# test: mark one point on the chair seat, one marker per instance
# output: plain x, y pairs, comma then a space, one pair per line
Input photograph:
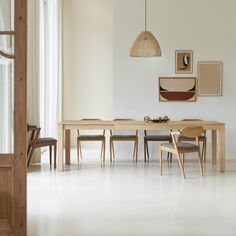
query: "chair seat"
46, 140
125, 137
90, 137
182, 146
157, 138
184, 138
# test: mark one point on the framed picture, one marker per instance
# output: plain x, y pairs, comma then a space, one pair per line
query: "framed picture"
183, 61
177, 89
209, 78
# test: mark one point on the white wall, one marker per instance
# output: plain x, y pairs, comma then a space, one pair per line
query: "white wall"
87, 59
204, 26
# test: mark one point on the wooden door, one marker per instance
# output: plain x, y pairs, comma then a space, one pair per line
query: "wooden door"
13, 43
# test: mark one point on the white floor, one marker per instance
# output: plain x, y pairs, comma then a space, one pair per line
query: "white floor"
131, 200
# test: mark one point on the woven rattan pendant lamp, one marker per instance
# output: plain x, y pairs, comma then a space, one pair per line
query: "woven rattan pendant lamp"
145, 44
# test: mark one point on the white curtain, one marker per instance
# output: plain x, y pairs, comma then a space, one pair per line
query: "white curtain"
33, 67
6, 82
51, 66
44, 70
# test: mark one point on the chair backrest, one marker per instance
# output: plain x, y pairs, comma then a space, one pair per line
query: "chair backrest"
91, 119
34, 135
191, 119
192, 132
31, 127
194, 119
123, 119
156, 132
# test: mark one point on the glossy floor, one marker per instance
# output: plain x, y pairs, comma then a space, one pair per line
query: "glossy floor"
131, 200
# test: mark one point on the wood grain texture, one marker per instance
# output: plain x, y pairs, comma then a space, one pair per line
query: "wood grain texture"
20, 122
214, 144
13, 221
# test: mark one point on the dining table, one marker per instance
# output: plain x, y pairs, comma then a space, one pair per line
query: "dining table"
216, 128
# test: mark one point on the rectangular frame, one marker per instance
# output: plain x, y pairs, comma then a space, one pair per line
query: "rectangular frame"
177, 89
209, 78
183, 61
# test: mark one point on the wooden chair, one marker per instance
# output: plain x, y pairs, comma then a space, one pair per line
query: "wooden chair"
202, 139
36, 142
179, 148
91, 137
154, 138
123, 138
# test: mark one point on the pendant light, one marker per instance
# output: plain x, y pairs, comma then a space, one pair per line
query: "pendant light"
145, 44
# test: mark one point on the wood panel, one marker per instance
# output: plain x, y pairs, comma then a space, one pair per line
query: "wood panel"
13, 166
7, 221
20, 123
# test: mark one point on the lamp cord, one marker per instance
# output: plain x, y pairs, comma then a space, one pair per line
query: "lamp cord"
145, 15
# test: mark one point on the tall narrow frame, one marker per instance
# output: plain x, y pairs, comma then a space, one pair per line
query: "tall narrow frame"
13, 220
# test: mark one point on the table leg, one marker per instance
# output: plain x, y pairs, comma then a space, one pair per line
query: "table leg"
60, 162
67, 145
213, 143
222, 149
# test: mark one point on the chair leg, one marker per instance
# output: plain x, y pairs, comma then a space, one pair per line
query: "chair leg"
104, 150
30, 156
78, 150
50, 155
55, 156
136, 150
110, 150
28, 149
113, 151
101, 150
160, 158
204, 151
180, 165
200, 161
182, 159
145, 150
171, 154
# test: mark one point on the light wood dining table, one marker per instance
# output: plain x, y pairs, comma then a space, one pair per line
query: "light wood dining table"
64, 135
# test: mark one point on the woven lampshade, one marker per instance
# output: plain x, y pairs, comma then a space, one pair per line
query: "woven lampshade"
145, 45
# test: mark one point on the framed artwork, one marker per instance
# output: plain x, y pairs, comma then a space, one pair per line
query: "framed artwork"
177, 89
183, 61
209, 78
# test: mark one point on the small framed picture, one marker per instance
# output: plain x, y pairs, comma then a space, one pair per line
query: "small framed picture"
183, 61
209, 78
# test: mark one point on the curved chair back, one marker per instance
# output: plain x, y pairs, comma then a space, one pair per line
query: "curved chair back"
90, 119
192, 132
123, 119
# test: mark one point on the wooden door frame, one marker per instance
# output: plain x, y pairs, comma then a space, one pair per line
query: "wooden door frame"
13, 166
20, 117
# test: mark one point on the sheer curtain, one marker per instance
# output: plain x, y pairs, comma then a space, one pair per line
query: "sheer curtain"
6, 84
44, 24
50, 38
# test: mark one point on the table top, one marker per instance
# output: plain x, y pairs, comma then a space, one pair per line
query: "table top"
136, 124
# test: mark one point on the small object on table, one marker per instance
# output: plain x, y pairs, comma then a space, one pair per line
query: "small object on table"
156, 119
